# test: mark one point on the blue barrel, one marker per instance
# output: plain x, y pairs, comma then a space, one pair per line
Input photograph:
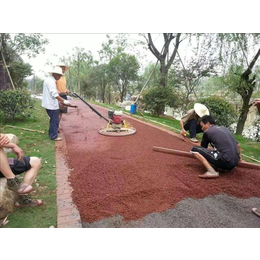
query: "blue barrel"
133, 109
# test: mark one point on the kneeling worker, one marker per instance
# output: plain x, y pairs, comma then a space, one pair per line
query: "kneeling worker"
226, 153
190, 121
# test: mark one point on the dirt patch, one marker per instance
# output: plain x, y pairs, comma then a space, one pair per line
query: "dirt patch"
125, 176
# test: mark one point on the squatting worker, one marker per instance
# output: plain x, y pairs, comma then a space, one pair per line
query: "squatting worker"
50, 102
226, 150
62, 89
190, 121
256, 103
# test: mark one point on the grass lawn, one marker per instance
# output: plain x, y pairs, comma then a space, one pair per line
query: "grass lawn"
36, 144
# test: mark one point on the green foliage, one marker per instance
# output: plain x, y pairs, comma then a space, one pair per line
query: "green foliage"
158, 97
220, 109
122, 69
18, 71
15, 103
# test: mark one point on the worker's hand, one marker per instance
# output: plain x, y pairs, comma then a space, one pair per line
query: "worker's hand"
67, 91
66, 102
256, 101
4, 140
19, 152
183, 132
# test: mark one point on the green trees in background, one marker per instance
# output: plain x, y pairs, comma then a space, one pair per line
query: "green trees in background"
224, 112
122, 69
15, 103
13, 46
157, 98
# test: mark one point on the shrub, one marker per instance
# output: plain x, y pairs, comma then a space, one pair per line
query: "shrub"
221, 109
157, 98
15, 103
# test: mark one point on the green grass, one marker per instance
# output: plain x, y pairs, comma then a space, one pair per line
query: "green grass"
249, 148
36, 144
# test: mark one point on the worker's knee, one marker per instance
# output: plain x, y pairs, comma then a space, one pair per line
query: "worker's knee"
35, 162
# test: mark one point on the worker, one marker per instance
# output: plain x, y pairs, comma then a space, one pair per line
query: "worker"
50, 101
190, 121
226, 151
62, 90
256, 103
9, 167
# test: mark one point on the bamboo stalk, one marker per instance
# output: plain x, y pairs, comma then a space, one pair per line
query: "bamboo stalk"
26, 129
7, 70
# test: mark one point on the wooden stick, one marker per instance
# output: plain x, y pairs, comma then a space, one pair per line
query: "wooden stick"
26, 129
190, 155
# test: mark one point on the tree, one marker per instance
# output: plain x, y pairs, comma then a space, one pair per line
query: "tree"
224, 113
19, 71
98, 77
200, 65
241, 81
13, 46
122, 69
237, 47
157, 98
162, 56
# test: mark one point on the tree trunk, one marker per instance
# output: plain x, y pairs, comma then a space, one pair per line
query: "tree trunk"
163, 75
243, 114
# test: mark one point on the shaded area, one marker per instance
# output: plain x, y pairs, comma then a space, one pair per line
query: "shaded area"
123, 175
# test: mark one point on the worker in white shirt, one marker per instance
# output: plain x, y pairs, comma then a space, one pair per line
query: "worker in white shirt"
50, 101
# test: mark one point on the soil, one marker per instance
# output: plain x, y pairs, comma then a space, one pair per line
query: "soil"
123, 175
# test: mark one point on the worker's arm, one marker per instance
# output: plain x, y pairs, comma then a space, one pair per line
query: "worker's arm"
239, 150
182, 127
16, 149
205, 141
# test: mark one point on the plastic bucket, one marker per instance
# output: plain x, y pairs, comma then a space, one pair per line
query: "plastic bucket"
133, 109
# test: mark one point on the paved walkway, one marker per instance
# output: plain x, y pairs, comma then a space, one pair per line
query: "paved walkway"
68, 214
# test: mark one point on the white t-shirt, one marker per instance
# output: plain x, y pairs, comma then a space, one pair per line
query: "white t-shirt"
50, 93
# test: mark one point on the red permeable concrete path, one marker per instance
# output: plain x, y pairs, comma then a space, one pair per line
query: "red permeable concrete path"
123, 175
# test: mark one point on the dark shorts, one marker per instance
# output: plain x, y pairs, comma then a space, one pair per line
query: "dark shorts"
18, 167
213, 157
65, 110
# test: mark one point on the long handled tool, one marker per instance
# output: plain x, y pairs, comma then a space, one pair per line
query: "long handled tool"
116, 126
190, 155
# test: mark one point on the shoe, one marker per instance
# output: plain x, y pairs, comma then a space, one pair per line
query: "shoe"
194, 140
58, 139
209, 175
256, 211
26, 201
19, 187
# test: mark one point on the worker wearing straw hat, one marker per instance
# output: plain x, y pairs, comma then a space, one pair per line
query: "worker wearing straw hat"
62, 89
190, 121
50, 102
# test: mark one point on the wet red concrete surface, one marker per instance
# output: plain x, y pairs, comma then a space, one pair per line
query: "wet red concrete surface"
123, 175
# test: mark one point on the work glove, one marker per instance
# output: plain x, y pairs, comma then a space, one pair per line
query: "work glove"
66, 102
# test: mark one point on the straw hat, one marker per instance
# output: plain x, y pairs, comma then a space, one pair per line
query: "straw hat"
201, 110
56, 70
63, 65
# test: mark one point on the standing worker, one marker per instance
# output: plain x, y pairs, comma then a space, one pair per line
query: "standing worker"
256, 103
190, 121
62, 89
50, 102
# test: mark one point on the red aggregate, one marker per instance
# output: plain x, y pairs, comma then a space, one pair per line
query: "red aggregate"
123, 175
